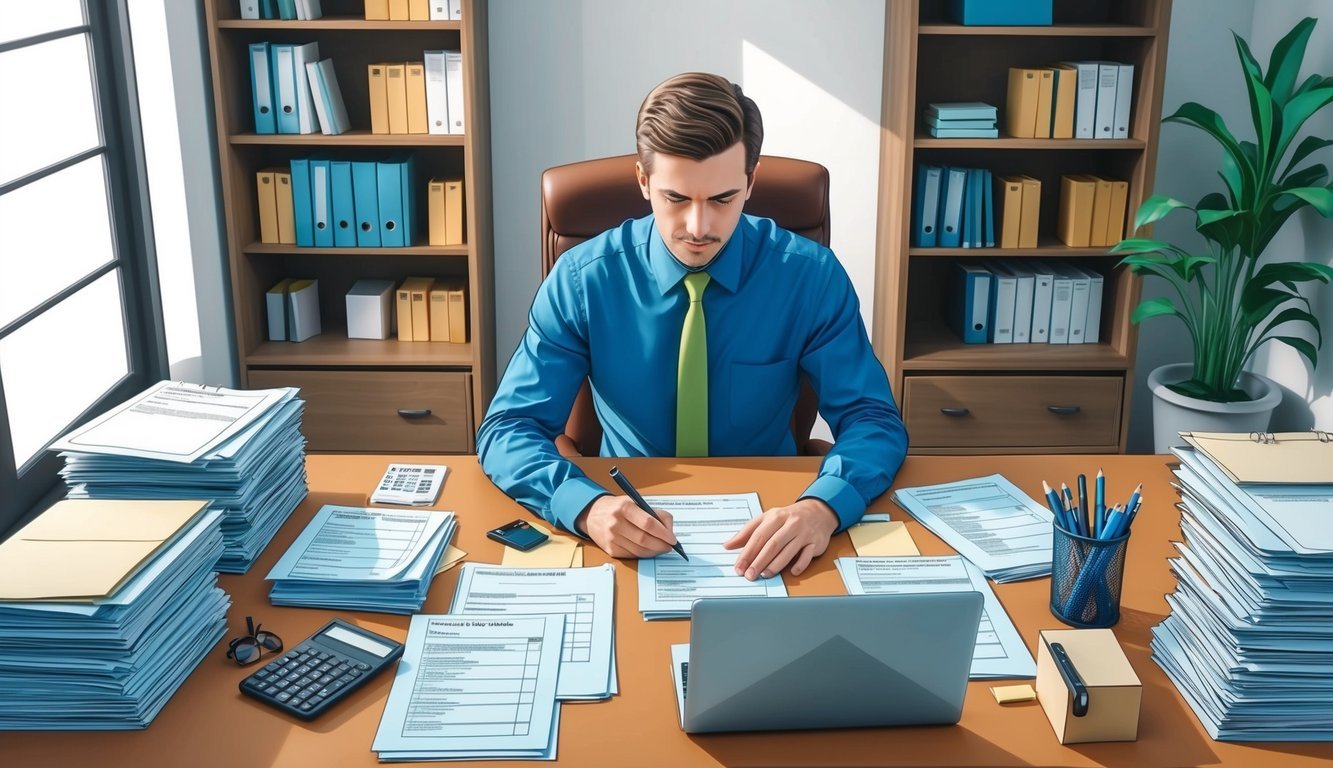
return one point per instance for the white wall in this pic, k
(1202, 66)
(567, 79)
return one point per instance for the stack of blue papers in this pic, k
(112, 664)
(252, 468)
(1249, 641)
(354, 558)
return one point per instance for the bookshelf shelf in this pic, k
(1054, 30)
(271, 249)
(911, 330)
(333, 348)
(354, 388)
(1009, 143)
(350, 23)
(352, 138)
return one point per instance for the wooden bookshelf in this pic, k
(960, 398)
(361, 394)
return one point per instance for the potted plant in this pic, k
(1228, 300)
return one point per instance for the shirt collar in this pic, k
(725, 269)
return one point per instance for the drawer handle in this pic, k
(414, 413)
(1063, 410)
(955, 411)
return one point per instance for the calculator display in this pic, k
(358, 641)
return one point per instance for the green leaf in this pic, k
(1319, 198)
(1144, 245)
(1295, 315)
(1156, 207)
(1292, 272)
(1301, 345)
(1222, 224)
(1258, 301)
(1261, 112)
(1208, 121)
(1300, 108)
(1308, 146)
(1310, 176)
(1284, 65)
(1154, 308)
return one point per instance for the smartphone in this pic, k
(518, 535)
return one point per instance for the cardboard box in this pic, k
(370, 309)
(1114, 691)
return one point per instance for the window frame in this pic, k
(27, 488)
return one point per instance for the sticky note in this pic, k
(878, 539)
(1012, 694)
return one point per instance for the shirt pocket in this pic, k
(761, 393)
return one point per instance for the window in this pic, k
(80, 321)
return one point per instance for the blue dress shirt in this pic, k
(611, 311)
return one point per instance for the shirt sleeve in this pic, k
(531, 405)
(870, 441)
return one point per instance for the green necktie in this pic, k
(692, 374)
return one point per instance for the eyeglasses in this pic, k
(248, 648)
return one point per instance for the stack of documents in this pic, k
(1249, 641)
(987, 520)
(241, 450)
(360, 559)
(105, 608)
(474, 687)
(584, 596)
(668, 585)
(999, 653)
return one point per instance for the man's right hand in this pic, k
(618, 526)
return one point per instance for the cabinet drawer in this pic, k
(359, 410)
(1013, 411)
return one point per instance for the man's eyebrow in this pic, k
(719, 196)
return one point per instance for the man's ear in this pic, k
(749, 188)
(643, 179)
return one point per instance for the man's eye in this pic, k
(724, 200)
(675, 199)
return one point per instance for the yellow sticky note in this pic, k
(881, 539)
(556, 553)
(452, 556)
(1012, 694)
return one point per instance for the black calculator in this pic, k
(321, 670)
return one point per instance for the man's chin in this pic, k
(692, 257)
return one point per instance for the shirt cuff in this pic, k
(839, 494)
(570, 499)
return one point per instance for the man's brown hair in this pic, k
(698, 115)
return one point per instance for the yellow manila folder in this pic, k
(1030, 219)
(1010, 195)
(1062, 104)
(395, 87)
(421, 309)
(1291, 458)
(1101, 211)
(268, 206)
(453, 211)
(882, 538)
(379, 96)
(81, 550)
(1115, 222)
(438, 235)
(439, 313)
(1045, 92)
(282, 179)
(1077, 196)
(1020, 108)
(416, 97)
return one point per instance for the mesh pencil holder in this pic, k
(1086, 577)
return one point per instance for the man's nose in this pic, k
(696, 221)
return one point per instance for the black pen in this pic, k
(630, 491)
(1072, 679)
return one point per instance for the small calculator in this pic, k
(415, 485)
(321, 670)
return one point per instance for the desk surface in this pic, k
(209, 723)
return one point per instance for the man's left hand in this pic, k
(791, 535)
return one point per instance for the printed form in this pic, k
(584, 596)
(668, 585)
(359, 544)
(1000, 651)
(474, 687)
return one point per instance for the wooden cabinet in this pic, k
(336, 373)
(928, 58)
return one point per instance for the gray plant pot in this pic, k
(1173, 413)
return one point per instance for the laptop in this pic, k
(757, 664)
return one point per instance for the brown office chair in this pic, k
(582, 200)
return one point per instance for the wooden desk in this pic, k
(208, 723)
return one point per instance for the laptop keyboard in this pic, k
(684, 678)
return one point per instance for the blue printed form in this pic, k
(987, 520)
(1000, 652)
(356, 544)
(474, 687)
(668, 585)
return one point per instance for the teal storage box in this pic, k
(1000, 13)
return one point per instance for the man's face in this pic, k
(697, 203)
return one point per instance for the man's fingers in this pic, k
(803, 560)
(768, 526)
(743, 535)
(779, 550)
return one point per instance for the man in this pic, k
(693, 326)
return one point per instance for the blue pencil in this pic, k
(1070, 510)
(1083, 519)
(1099, 510)
(1134, 498)
(1053, 502)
